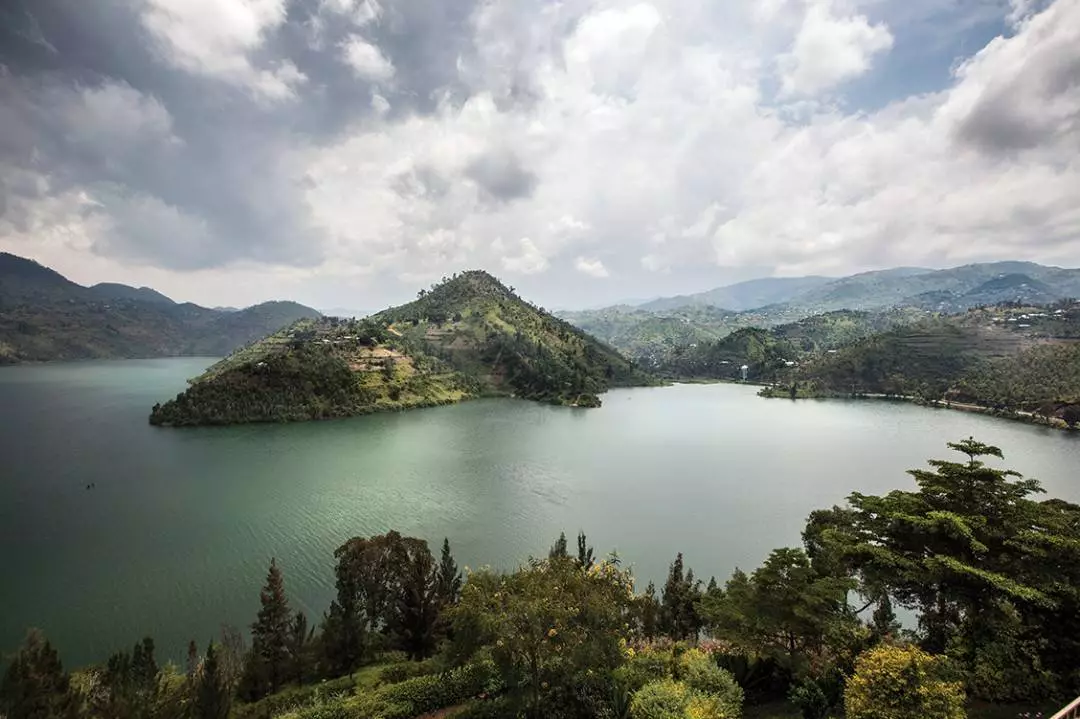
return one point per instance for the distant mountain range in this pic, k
(45, 316)
(650, 331)
(951, 290)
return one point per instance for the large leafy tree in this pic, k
(545, 624)
(785, 610)
(35, 685)
(387, 584)
(972, 552)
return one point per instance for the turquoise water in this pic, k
(175, 537)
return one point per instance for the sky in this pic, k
(345, 153)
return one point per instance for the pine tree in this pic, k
(559, 549)
(584, 552)
(298, 643)
(35, 685)
(650, 612)
(270, 632)
(212, 698)
(448, 584)
(679, 615)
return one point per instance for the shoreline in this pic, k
(1013, 416)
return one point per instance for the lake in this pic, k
(175, 536)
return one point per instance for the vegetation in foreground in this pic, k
(468, 336)
(992, 572)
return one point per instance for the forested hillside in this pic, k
(1010, 359)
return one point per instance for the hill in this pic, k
(1010, 358)
(44, 316)
(117, 291)
(769, 351)
(468, 336)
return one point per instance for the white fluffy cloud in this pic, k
(217, 37)
(590, 266)
(830, 48)
(367, 61)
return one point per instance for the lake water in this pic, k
(175, 537)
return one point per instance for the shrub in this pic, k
(643, 667)
(901, 683)
(698, 670)
(490, 709)
(662, 699)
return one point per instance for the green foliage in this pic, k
(545, 624)
(661, 699)
(271, 631)
(387, 582)
(679, 615)
(35, 685)
(785, 610)
(701, 673)
(986, 566)
(902, 683)
(130, 686)
(644, 666)
(213, 696)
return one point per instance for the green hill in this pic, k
(1010, 358)
(769, 353)
(467, 336)
(46, 317)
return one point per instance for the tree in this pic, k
(679, 605)
(559, 549)
(270, 632)
(212, 696)
(367, 587)
(585, 553)
(299, 638)
(545, 624)
(35, 685)
(131, 683)
(901, 683)
(649, 611)
(975, 556)
(417, 609)
(448, 583)
(785, 609)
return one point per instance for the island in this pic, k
(468, 336)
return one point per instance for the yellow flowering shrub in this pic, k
(901, 683)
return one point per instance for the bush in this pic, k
(307, 697)
(699, 672)
(406, 670)
(762, 678)
(901, 683)
(421, 695)
(487, 709)
(663, 699)
(643, 667)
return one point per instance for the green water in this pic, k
(175, 537)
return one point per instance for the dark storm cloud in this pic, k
(207, 178)
(501, 175)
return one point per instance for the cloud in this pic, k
(367, 61)
(590, 266)
(218, 37)
(501, 175)
(830, 49)
(685, 142)
(529, 262)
